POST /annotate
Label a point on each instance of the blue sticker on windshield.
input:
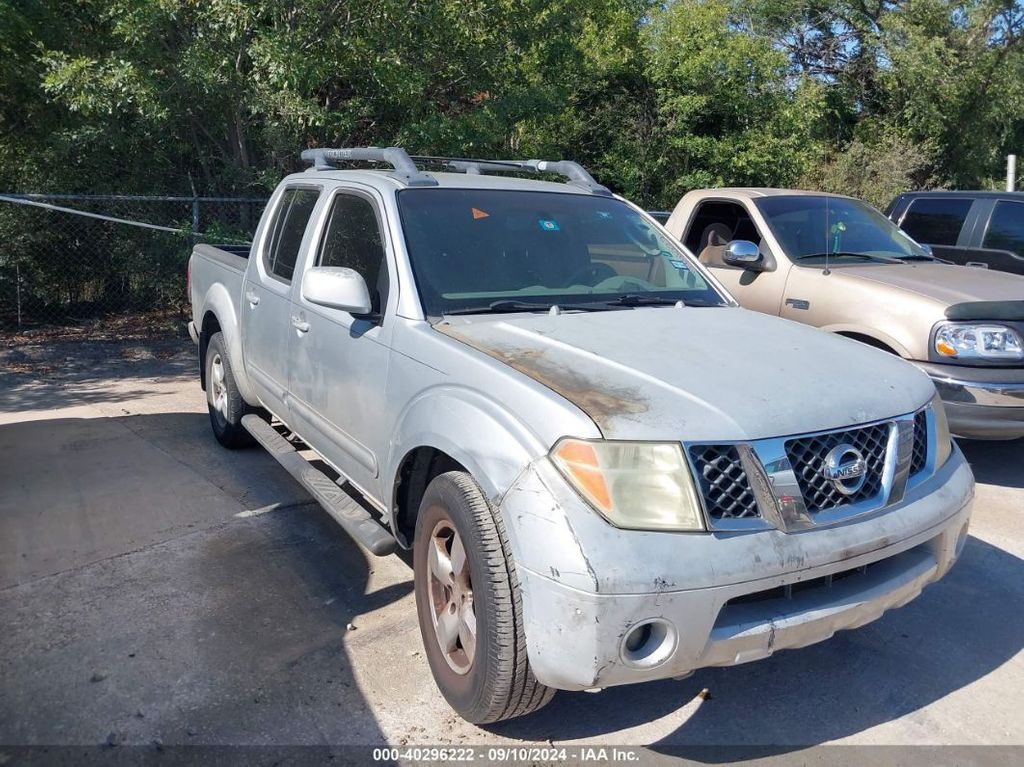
(547, 225)
(680, 265)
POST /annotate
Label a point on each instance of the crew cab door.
(339, 362)
(945, 224)
(716, 222)
(1000, 234)
(266, 296)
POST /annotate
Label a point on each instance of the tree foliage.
(219, 96)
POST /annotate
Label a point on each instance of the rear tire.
(223, 399)
(469, 605)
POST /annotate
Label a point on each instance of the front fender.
(475, 430)
(873, 333)
(222, 305)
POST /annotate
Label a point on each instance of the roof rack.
(407, 172)
(575, 173)
(405, 169)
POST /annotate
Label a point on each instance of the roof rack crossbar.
(575, 173)
(405, 169)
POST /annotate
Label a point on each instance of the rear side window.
(1006, 230)
(288, 228)
(936, 220)
(353, 240)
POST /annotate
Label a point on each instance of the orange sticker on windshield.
(477, 213)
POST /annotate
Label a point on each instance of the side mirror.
(337, 287)
(744, 254)
(927, 250)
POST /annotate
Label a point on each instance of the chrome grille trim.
(763, 473)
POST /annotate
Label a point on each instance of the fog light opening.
(648, 643)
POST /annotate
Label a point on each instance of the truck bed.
(212, 265)
(232, 256)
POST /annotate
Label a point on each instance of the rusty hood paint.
(699, 373)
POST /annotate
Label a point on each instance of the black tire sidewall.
(466, 693)
(228, 430)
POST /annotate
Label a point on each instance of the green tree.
(729, 111)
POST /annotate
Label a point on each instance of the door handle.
(300, 324)
(252, 298)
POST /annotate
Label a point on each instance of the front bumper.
(981, 403)
(715, 599)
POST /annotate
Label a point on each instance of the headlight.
(976, 341)
(638, 485)
(943, 440)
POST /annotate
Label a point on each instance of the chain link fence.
(70, 259)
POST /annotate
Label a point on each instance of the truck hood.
(699, 373)
(944, 283)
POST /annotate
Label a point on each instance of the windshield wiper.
(498, 307)
(635, 299)
(850, 254)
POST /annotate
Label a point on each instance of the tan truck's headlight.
(636, 485)
(974, 340)
(943, 440)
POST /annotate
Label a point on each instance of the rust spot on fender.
(601, 402)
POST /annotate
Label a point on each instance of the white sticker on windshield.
(547, 225)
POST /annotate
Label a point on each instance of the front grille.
(920, 443)
(723, 482)
(807, 455)
(791, 590)
(808, 595)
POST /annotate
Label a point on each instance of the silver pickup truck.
(608, 472)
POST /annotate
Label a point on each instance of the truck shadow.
(996, 463)
(954, 634)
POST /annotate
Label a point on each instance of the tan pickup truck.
(838, 264)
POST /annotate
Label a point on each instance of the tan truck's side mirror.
(745, 255)
(337, 287)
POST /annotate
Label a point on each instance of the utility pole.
(1011, 172)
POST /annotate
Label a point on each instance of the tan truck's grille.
(807, 454)
(723, 483)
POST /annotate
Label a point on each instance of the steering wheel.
(622, 282)
(591, 273)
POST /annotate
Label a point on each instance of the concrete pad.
(78, 490)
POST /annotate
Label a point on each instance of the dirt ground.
(156, 589)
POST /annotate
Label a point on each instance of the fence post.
(195, 219)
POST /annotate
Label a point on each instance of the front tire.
(469, 606)
(223, 399)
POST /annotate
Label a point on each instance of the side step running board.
(346, 512)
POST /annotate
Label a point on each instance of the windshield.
(808, 227)
(501, 250)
